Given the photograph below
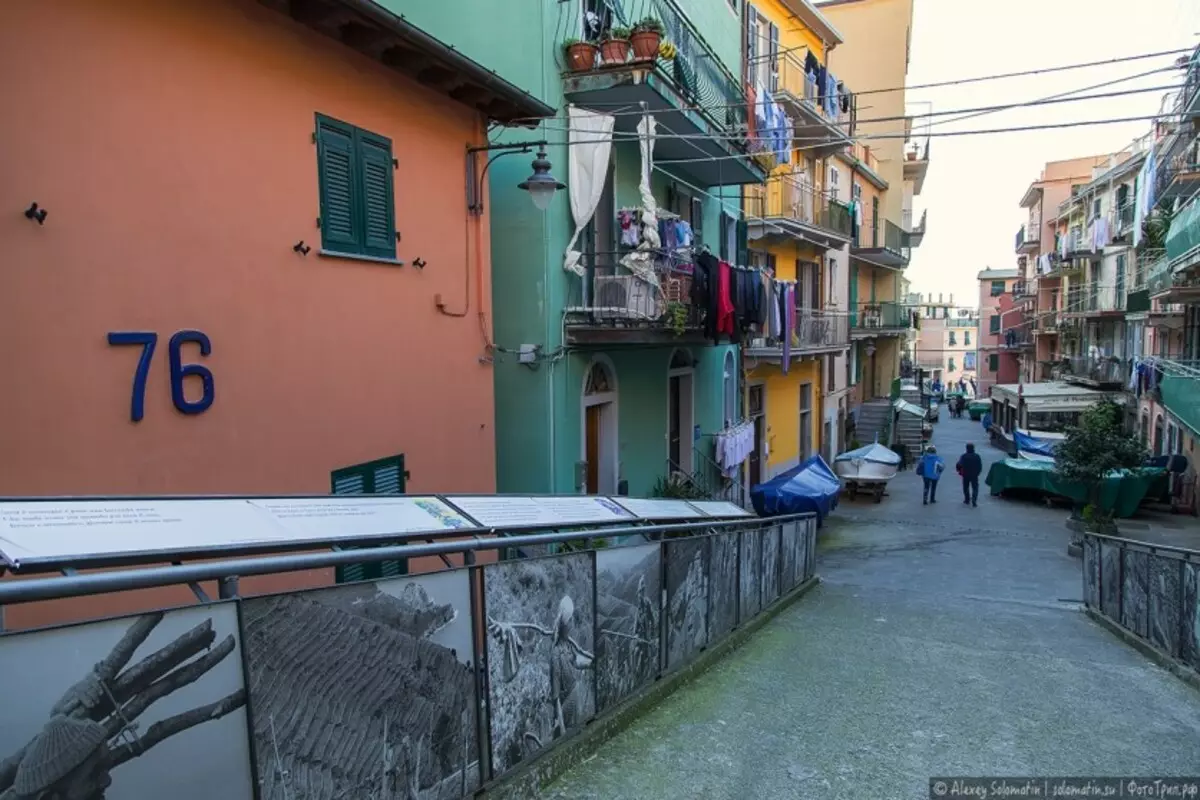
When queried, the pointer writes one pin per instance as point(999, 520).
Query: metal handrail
point(29, 591)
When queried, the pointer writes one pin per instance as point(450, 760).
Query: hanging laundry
point(683, 233)
point(706, 294)
point(781, 296)
point(725, 324)
point(629, 228)
point(766, 292)
point(751, 112)
point(790, 307)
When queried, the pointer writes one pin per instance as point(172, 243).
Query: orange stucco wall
point(171, 143)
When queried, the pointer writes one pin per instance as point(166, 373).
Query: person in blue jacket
point(930, 469)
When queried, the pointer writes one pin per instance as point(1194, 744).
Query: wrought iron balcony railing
point(815, 330)
point(790, 199)
point(611, 296)
point(1103, 370)
point(882, 315)
point(794, 78)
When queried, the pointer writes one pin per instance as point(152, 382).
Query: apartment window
point(830, 367)
point(953, 342)
point(383, 476)
point(856, 192)
point(1096, 208)
point(834, 182)
point(966, 338)
point(950, 365)
point(1120, 296)
point(997, 288)
point(354, 171)
point(598, 17)
point(994, 362)
point(994, 324)
point(833, 282)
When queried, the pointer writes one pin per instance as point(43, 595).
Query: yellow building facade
point(799, 230)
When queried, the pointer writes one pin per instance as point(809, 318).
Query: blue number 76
point(179, 370)
point(147, 341)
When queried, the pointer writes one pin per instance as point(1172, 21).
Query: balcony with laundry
point(812, 332)
point(879, 242)
point(643, 296)
point(822, 108)
point(787, 206)
point(1178, 168)
point(701, 111)
point(880, 318)
point(916, 161)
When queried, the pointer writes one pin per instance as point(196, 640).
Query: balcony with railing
point(822, 116)
point(916, 163)
point(1168, 286)
point(1179, 171)
point(1018, 336)
point(788, 207)
point(1098, 373)
point(881, 243)
point(816, 332)
point(612, 304)
point(880, 318)
point(1027, 238)
point(1121, 220)
point(916, 233)
point(1178, 388)
point(693, 95)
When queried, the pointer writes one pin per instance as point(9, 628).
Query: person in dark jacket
point(969, 467)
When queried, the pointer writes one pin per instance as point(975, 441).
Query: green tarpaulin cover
point(1122, 493)
point(1182, 398)
point(1183, 237)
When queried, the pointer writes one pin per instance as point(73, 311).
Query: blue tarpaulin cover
point(812, 486)
point(1032, 444)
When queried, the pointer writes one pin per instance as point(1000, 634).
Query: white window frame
point(835, 179)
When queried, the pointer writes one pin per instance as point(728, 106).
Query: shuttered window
point(994, 362)
point(354, 169)
point(384, 476)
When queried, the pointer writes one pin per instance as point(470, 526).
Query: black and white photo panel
point(125, 709)
point(628, 620)
point(722, 585)
point(687, 599)
point(540, 622)
point(364, 690)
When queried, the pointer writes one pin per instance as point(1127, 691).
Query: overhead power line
point(1041, 71)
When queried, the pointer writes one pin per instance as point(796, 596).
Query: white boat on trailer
point(867, 469)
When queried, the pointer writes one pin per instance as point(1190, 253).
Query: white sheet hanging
point(641, 261)
point(588, 152)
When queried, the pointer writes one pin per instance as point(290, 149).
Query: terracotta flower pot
point(645, 45)
point(614, 51)
point(581, 57)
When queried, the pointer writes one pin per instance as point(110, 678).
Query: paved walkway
point(943, 640)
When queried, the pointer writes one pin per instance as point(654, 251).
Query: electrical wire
point(742, 104)
point(1023, 73)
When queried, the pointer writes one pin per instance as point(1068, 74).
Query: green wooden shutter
point(743, 245)
point(378, 204)
point(384, 476)
point(994, 362)
point(853, 302)
point(994, 324)
point(337, 167)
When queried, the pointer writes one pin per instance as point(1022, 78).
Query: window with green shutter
point(383, 476)
point(997, 288)
point(967, 338)
point(950, 365)
point(994, 362)
point(354, 170)
point(994, 324)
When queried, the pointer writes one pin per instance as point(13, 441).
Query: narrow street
point(942, 640)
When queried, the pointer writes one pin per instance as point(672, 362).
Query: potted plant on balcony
point(581, 55)
point(676, 315)
point(647, 36)
point(614, 49)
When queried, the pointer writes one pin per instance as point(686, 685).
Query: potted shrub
point(647, 36)
point(615, 47)
point(581, 55)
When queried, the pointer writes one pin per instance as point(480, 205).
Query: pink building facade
point(1001, 324)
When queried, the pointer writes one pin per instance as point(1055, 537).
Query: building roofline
point(808, 13)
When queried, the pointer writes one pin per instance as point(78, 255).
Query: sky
point(975, 183)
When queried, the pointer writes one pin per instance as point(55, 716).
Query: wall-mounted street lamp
point(541, 185)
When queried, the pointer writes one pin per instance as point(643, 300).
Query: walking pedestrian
point(970, 465)
point(930, 469)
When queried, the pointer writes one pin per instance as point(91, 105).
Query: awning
point(1181, 396)
point(1183, 237)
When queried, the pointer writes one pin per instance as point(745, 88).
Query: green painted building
point(622, 382)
